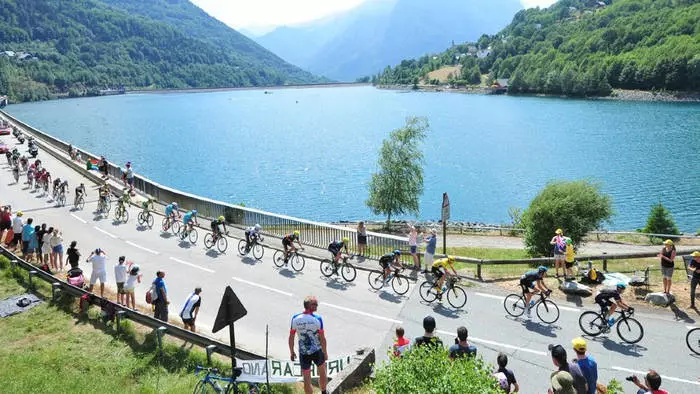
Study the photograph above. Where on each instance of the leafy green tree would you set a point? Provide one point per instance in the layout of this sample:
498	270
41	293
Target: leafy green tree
577	207
424	370
660	221
397	186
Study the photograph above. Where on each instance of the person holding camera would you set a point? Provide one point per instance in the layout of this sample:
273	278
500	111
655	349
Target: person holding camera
652	382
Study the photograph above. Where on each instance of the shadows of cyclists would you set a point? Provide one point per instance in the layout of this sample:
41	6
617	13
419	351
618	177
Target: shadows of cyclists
449	313
540	328
337	284
390	296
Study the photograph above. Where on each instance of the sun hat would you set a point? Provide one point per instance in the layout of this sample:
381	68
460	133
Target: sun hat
20	213
579	344
569	241
563	383
559	231
695	254
668	242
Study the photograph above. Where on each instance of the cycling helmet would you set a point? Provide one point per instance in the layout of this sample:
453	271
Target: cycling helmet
174	204
222	218
296	233
451	259
621	285
258	227
541	268
397	252
346	240
194	212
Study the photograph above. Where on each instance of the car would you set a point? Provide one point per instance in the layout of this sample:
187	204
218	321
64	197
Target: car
4	148
5	130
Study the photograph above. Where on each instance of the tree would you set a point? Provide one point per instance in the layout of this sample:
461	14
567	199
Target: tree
660	221
577	207
395	189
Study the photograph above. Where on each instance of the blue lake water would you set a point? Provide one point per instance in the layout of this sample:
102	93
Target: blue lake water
310	152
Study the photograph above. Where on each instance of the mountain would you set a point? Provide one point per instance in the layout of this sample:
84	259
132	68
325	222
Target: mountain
582	48
378	33
81	46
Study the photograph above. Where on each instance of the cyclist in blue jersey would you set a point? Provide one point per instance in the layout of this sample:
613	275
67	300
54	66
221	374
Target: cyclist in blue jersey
171	211
189	220
610	299
533	282
336	247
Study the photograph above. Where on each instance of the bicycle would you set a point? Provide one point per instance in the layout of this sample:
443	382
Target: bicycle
398	282
190	234
121	213
15	174
258	250
210	383
61	199
692	339
171	223
146	218
104	204
596	323
293	258
330	268
79	202
210	239
456	295
546	309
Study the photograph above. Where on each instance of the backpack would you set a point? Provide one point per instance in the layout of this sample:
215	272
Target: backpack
152	294
502	380
594	276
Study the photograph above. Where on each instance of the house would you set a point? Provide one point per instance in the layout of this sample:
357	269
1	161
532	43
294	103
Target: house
24	56
483	53
501	83
600	4
538	26
7	53
472	49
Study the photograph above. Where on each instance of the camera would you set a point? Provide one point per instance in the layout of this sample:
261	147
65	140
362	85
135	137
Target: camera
630	378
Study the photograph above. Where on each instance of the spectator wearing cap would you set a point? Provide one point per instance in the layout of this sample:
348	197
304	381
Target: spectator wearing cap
133	278
431	245
558	243
651	385
694	268
120	277
17	226
572	369
461	347
588	366
98	258
667	256
428	338
190	309
161	303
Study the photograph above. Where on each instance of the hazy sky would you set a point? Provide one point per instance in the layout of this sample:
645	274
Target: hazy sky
261	14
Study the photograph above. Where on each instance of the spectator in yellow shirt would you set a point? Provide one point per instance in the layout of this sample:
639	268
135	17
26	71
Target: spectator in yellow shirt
570	256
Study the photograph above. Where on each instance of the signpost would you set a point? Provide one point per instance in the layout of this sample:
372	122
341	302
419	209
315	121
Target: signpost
230	311
445	218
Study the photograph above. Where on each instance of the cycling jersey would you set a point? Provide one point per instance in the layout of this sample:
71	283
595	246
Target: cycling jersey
188	217
386	260
336	246
289	239
606	295
530	277
441	263
215	226
308	326
79	190
252	231
146	204
169	209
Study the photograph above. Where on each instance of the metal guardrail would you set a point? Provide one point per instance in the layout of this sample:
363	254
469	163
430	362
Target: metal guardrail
209	344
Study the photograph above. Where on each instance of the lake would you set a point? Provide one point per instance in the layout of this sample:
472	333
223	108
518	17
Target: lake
310	152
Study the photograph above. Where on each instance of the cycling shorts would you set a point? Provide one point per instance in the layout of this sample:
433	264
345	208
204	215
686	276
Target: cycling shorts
333	250
437	272
526	285
385	264
286	242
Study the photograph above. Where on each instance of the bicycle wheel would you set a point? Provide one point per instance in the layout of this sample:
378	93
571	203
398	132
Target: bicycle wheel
297	262
592	323
118	214
125	215
222	244
199	388
348	272
514	304
400	284
193	235
426	291
140	219
150	220
457	297
61	200
326	268
107	206
165	224
548	311
208	241
376	280
258	251
692	339
630	330
175	228
241	247
80	204
278	258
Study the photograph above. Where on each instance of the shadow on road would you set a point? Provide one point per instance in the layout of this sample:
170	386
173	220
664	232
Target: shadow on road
249	260
213	253
680	315
448	312
166	235
338	284
184	244
142	227
576	299
390	296
625	349
546	330
287	273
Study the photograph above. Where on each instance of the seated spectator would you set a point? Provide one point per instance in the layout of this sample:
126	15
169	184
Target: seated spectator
401	343
462	347
505	377
428	339
75	277
651	385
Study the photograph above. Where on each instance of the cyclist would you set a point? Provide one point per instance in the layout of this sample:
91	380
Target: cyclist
45	178
215	229
335	248
534	280
288	244
56	184
252	233
23	161
30	174
79	192
171	211
609	299
15	171
124	200
104	193
439	270
390	260
146	205
63	188
189	220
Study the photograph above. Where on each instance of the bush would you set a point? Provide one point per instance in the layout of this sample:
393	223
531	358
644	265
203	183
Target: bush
427	371
660	221
576	207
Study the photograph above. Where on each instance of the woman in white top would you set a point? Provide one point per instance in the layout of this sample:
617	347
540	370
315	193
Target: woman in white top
46	248
56	243
131	280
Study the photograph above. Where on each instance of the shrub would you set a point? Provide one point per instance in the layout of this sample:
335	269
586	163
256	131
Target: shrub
577	207
660	221
422	370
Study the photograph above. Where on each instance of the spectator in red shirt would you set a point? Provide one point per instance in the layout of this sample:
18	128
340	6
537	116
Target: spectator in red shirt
401	343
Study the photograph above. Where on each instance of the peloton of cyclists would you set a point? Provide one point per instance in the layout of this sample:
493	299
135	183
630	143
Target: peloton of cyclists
533	280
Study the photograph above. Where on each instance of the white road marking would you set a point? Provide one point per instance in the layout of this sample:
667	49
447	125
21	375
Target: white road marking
342	308
564	308
662	376
192	265
79	218
499	344
262	286
104	232
142	248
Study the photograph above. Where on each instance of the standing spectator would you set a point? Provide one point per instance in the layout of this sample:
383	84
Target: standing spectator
71	152
667	256
361	238
40	231
312	343
431	244
413	244
46	248
17	226
98	258
559	361
694	267
190	310
120	277
27	234
73	255
33	249
130	177
5	222
104	167
462	347
505	377
588	366
651	385
161	303
558	243
401	344
428	338
130	285
57	248
569	260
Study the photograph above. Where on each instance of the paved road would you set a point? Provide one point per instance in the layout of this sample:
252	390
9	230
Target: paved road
354	315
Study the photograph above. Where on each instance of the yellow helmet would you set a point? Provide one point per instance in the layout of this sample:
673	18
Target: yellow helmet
451	259
296	233
222	218
579	344
346	239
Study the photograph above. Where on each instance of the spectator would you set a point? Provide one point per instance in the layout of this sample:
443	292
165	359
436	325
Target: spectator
57	248
651	385
190	310
431	244
502	373
130	177
413	244
98	258
40	237
401	344
46	247
694	267
361	238
667	256
462	347
104	167
562	383
5	221
588	366
130	285
569	260
73	255
559	245
71	151
75	277
27	234
559	361
428	339
161	303
33	249
312	343
17	226
120	277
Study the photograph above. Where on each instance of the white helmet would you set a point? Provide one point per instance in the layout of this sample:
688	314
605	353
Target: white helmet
174	205
258	227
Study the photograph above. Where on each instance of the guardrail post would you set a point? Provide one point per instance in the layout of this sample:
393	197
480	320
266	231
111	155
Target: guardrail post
120	315
13	263
55	289
160	332
31	273
478	270
605	263
210	350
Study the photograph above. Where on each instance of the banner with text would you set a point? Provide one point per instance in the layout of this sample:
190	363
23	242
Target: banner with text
284	371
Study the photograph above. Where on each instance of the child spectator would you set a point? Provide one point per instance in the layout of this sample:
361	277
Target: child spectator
120	277
401	343
505	377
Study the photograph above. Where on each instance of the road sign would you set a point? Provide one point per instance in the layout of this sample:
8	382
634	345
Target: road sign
230	310
445	207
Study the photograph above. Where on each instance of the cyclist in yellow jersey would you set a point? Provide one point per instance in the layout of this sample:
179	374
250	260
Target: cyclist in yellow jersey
439	270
